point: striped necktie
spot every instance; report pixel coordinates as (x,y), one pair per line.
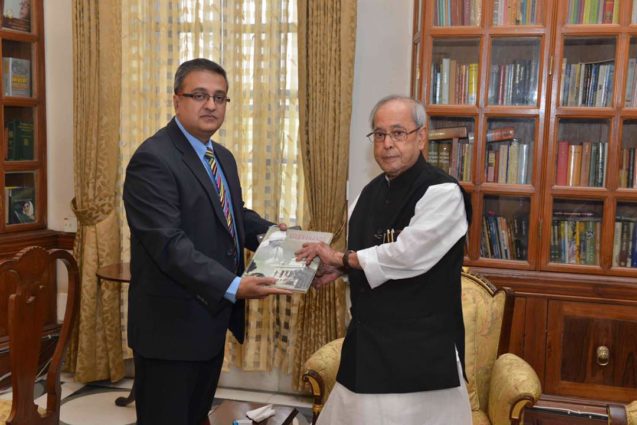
(221,190)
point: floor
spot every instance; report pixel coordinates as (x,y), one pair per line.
(93,404)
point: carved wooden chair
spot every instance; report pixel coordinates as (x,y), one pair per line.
(499,387)
(27,275)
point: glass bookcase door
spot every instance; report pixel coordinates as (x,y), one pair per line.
(627,169)
(509,150)
(513,77)
(453,156)
(593,12)
(625,235)
(576,232)
(588,69)
(16,68)
(457,12)
(20,198)
(505,228)
(454,71)
(582,152)
(19,141)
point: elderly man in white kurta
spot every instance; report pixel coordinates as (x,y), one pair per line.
(403,356)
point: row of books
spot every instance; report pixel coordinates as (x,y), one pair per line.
(514,83)
(504,238)
(18,140)
(457,164)
(587,84)
(627,169)
(581,164)
(16,77)
(507,162)
(453,82)
(593,12)
(19,206)
(457,12)
(516,12)
(575,237)
(625,242)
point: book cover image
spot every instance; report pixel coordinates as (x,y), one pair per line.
(275,258)
(20,203)
(16,15)
(16,77)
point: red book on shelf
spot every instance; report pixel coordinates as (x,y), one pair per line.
(562,163)
(500,134)
(609,7)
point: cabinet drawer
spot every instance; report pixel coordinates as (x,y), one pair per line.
(592,350)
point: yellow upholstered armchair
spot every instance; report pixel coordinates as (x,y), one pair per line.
(499,387)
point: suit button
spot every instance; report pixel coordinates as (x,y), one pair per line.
(230,252)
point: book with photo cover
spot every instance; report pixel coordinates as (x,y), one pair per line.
(19,204)
(16,15)
(275,258)
(16,77)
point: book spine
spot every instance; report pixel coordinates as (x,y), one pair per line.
(585,163)
(562,163)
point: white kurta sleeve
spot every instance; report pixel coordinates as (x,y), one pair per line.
(439,221)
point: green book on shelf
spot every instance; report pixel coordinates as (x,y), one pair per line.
(19,140)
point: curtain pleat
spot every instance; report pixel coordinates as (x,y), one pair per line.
(326,65)
(95,352)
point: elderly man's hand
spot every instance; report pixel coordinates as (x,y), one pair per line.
(323,251)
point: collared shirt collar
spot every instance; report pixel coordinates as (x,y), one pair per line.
(196,144)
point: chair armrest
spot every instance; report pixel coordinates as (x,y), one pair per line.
(631,413)
(514,385)
(320,373)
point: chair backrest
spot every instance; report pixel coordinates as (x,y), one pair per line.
(487,312)
(29,272)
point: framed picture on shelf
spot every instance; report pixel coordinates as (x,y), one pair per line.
(16,14)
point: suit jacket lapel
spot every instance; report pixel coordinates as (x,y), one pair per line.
(194,163)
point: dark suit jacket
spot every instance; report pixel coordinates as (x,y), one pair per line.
(182,253)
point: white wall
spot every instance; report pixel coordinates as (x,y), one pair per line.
(59,112)
(383,66)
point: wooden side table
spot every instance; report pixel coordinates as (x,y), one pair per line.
(119,273)
(557,410)
(229,410)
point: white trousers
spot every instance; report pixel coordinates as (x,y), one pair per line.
(441,407)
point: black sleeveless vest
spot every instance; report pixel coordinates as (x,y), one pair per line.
(403,333)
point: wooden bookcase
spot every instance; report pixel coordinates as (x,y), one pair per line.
(547,91)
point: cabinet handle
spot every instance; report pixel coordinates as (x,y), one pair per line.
(603,355)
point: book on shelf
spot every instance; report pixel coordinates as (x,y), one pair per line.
(16,15)
(504,237)
(275,258)
(515,12)
(625,242)
(16,77)
(19,204)
(575,237)
(507,162)
(514,83)
(581,164)
(593,12)
(628,168)
(19,140)
(587,83)
(453,82)
(457,12)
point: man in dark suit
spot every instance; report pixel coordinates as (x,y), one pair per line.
(188,229)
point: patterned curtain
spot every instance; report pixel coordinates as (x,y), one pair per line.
(256,42)
(327,32)
(95,351)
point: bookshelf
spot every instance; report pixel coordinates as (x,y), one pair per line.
(547,93)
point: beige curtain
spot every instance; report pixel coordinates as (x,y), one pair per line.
(96,348)
(327,31)
(255,41)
